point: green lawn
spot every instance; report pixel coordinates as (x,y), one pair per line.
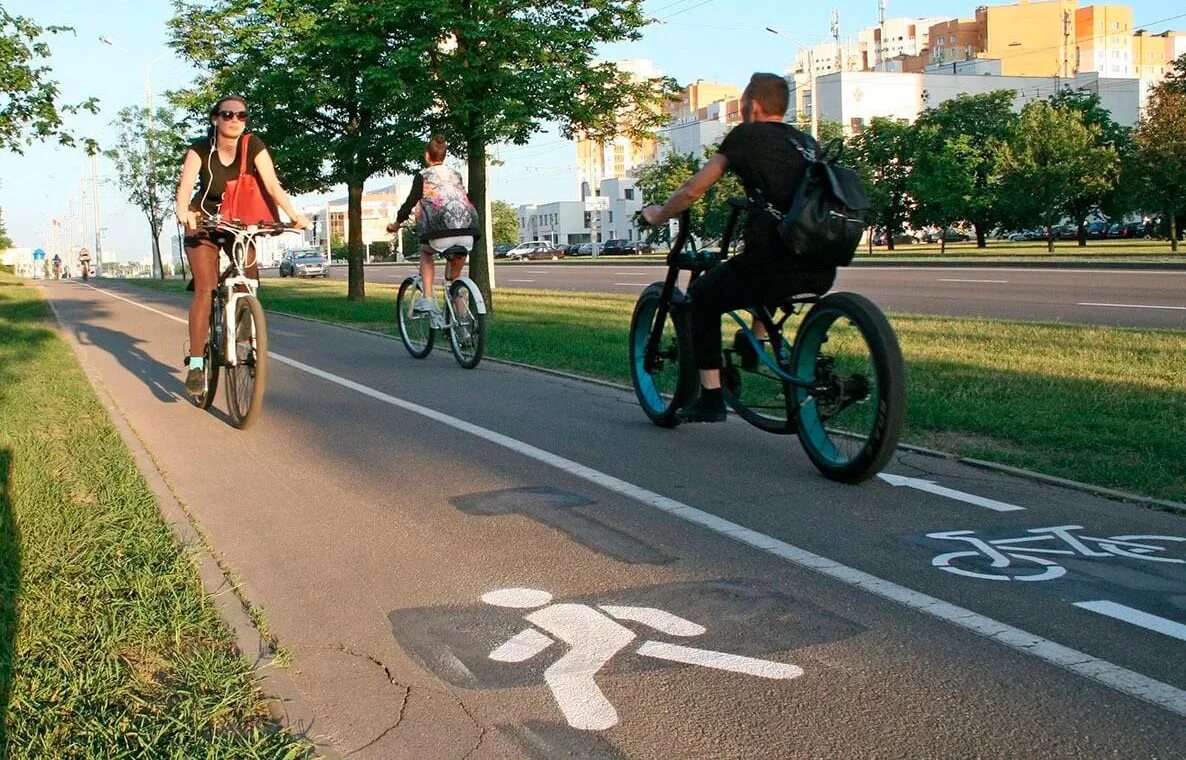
(1102,405)
(108,645)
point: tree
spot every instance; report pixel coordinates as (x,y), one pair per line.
(29,107)
(147,157)
(1051,162)
(1158,162)
(5,240)
(883,153)
(942,181)
(337,90)
(500,69)
(505,223)
(1175,78)
(1108,199)
(709,215)
(987,120)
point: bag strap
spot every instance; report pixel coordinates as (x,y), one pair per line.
(246,138)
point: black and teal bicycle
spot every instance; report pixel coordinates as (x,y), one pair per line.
(828,368)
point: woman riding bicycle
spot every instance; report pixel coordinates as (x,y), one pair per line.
(210,163)
(445,218)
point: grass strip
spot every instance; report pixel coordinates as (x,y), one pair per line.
(1101,405)
(108,645)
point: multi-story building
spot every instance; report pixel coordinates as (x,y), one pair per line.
(955,40)
(617,157)
(608,215)
(1104,38)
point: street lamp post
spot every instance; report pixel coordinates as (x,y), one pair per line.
(156,264)
(810,73)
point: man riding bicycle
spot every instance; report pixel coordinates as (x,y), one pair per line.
(762,155)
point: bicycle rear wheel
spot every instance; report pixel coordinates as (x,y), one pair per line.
(246,380)
(670,379)
(415,328)
(467,332)
(849,422)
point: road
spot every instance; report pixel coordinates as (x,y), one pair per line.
(1147,299)
(503,563)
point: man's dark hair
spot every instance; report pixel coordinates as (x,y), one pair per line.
(225,99)
(769,90)
(436,149)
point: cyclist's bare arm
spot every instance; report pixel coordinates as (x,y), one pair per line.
(267,174)
(692,191)
(185,189)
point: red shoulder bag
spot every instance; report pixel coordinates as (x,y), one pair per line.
(244,200)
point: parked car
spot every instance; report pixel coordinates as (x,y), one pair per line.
(502,249)
(304,263)
(639,247)
(1130,230)
(535,249)
(1097,231)
(615,247)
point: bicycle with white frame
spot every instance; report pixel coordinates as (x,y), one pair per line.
(1027,558)
(463,317)
(237,340)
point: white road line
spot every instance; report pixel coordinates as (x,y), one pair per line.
(1109,674)
(952,279)
(1133,306)
(520,280)
(1136,617)
(632,284)
(636,273)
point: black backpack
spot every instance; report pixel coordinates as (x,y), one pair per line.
(826,219)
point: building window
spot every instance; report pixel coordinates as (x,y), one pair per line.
(630,193)
(611,217)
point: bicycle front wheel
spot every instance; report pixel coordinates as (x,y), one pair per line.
(666,380)
(246,379)
(467,332)
(415,328)
(850,419)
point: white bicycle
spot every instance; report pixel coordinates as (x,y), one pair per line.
(463,317)
(1021,559)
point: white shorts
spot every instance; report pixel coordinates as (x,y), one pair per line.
(441,245)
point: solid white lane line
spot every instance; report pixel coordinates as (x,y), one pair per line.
(952,279)
(929,486)
(520,280)
(1136,617)
(1109,674)
(632,284)
(1133,306)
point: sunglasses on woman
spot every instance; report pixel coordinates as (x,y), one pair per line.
(228,115)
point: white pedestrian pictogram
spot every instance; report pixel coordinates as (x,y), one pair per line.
(594,637)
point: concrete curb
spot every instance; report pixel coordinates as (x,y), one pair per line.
(1164,505)
(285,702)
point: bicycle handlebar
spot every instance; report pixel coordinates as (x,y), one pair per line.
(233,225)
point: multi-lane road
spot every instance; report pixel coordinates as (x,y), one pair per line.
(1118,297)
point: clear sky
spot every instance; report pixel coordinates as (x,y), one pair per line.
(717,40)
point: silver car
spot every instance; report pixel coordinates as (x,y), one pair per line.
(305,263)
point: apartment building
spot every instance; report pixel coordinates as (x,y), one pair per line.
(600,160)
(607,215)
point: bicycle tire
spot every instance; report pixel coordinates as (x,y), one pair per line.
(467,350)
(415,330)
(210,368)
(876,394)
(663,391)
(247,379)
(759,397)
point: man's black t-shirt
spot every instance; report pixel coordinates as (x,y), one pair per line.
(214,174)
(761,155)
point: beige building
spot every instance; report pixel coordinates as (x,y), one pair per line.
(619,157)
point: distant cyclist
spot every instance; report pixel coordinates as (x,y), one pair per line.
(57,267)
(84,263)
(445,218)
(210,163)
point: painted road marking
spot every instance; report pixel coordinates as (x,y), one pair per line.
(952,279)
(1136,617)
(520,280)
(930,486)
(1133,306)
(632,284)
(594,637)
(1109,674)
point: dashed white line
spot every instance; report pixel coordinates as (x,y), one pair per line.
(1101,671)
(520,280)
(1136,617)
(953,279)
(1133,306)
(632,284)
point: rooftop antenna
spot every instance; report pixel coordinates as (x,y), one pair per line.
(836,37)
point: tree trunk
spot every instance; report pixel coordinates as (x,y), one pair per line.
(157,264)
(889,241)
(943,242)
(479,272)
(1049,239)
(356,290)
(1173,233)
(980,236)
(1082,235)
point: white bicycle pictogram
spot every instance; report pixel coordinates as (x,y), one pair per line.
(1004,553)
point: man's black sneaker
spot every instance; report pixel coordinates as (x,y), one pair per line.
(195,382)
(707,407)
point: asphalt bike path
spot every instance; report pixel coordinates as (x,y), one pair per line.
(503,563)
